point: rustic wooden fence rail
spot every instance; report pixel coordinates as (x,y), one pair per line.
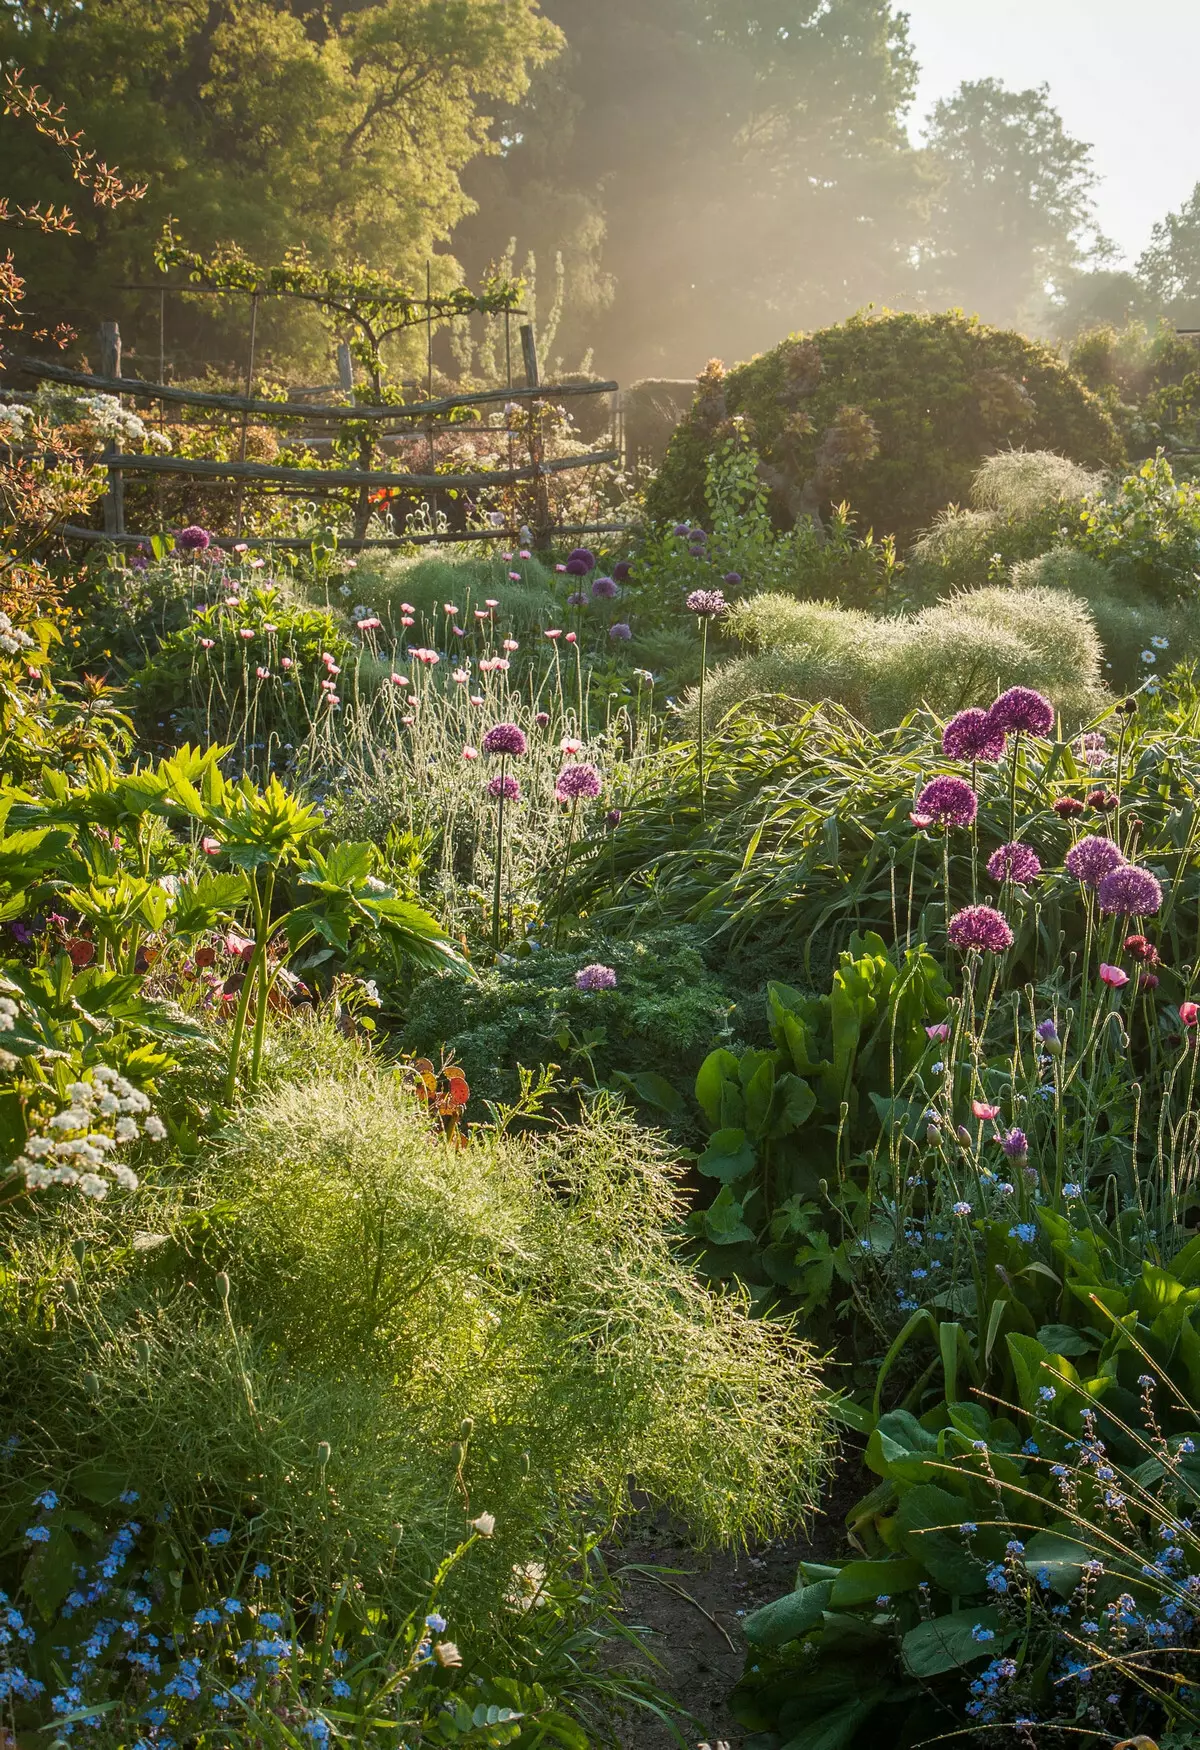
(395,421)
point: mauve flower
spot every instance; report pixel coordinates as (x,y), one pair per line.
(504,788)
(1116,976)
(578,599)
(1129,892)
(193,539)
(595,977)
(939,1030)
(982,1109)
(1090,859)
(505,738)
(708,603)
(1104,800)
(621,630)
(582,556)
(604,589)
(972,736)
(680,529)
(950,800)
(1147,981)
(210,846)
(622,570)
(979,926)
(1046,1030)
(1014,862)
(576,568)
(1021,708)
(1189,1013)
(732,579)
(1015,1144)
(1140,949)
(542,719)
(579,783)
(1067,807)
(470,753)
(613,818)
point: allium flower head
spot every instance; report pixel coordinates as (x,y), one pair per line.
(582,556)
(1015,1145)
(504,788)
(1015,862)
(1090,859)
(193,539)
(613,819)
(981,927)
(576,568)
(578,598)
(578,783)
(1129,892)
(622,570)
(604,589)
(708,603)
(620,631)
(732,579)
(950,800)
(595,977)
(504,738)
(1020,708)
(542,719)
(972,735)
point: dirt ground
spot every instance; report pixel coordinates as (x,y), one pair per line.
(694,1605)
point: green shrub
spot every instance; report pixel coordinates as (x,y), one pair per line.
(383,584)
(385,1286)
(667,1010)
(1147,532)
(892,412)
(1131,629)
(957,653)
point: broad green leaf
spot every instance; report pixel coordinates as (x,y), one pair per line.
(723,1220)
(729,1156)
(946,1643)
(786,1618)
(863,1582)
(718,1069)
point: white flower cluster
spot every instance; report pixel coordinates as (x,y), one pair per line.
(14,421)
(76,1144)
(8,1014)
(12,639)
(103,415)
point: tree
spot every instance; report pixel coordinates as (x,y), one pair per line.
(1170,265)
(343,125)
(1013,215)
(715,171)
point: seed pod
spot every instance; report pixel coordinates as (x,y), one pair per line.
(932,1133)
(71,1292)
(466,1428)
(523,1464)
(91,1384)
(457,1453)
(142,1350)
(79,1247)
(223,1287)
(324,1454)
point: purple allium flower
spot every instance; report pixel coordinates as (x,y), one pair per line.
(582,556)
(680,529)
(193,539)
(506,788)
(542,719)
(578,599)
(604,589)
(980,926)
(504,738)
(697,536)
(1014,862)
(1015,1144)
(579,783)
(595,977)
(708,603)
(950,800)
(622,570)
(613,818)
(576,568)
(972,735)
(139,562)
(1129,892)
(732,579)
(621,630)
(1022,708)
(1090,859)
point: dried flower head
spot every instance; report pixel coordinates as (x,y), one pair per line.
(1067,807)
(1140,949)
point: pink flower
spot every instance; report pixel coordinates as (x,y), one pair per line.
(491,602)
(556,632)
(329,686)
(939,1030)
(268,626)
(510,644)
(470,753)
(481,614)
(460,677)
(524,553)
(285,662)
(369,625)
(514,576)
(327,659)
(477,699)
(569,745)
(407,620)
(506,557)
(246,633)
(571,639)
(407,608)
(206,644)
(210,846)
(1114,976)
(264,674)
(398,680)
(240,547)
(460,632)
(449,608)
(921,820)
(233,601)
(408,722)
(981,1109)
(257,564)
(1189,1013)
(560,568)
(331,698)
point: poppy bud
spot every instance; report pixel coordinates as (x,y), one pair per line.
(466,1428)
(324,1454)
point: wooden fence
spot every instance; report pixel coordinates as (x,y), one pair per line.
(407,421)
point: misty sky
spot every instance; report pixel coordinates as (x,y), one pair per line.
(1123,75)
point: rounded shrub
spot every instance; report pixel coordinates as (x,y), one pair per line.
(891,412)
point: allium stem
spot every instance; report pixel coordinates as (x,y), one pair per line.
(499,862)
(700,729)
(562,885)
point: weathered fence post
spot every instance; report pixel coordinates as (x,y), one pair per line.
(345,369)
(114,498)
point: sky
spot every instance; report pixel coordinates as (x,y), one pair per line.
(1123,76)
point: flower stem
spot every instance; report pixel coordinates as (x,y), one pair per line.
(499,863)
(700,731)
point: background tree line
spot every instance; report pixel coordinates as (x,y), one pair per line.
(692,176)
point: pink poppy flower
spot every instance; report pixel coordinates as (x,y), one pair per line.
(477,699)
(285,662)
(408,620)
(1189,1013)
(491,602)
(981,1109)
(939,1030)
(210,846)
(1114,976)
(921,820)
(264,674)
(470,753)
(246,633)
(206,644)
(510,644)
(407,608)
(555,632)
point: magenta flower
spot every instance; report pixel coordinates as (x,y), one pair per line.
(620,631)
(1091,858)
(595,977)
(1015,1144)
(193,539)
(938,1030)
(1114,976)
(949,800)
(972,735)
(582,556)
(542,719)
(708,603)
(504,788)
(1128,891)
(1014,862)
(1021,708)
(613,818)
(579,783)
(504,738)
(981,927)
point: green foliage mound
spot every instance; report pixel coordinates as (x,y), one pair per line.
(893,412)
(385,1285)
(954,654)
(384,585)
(1131,628)
(665,1012)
